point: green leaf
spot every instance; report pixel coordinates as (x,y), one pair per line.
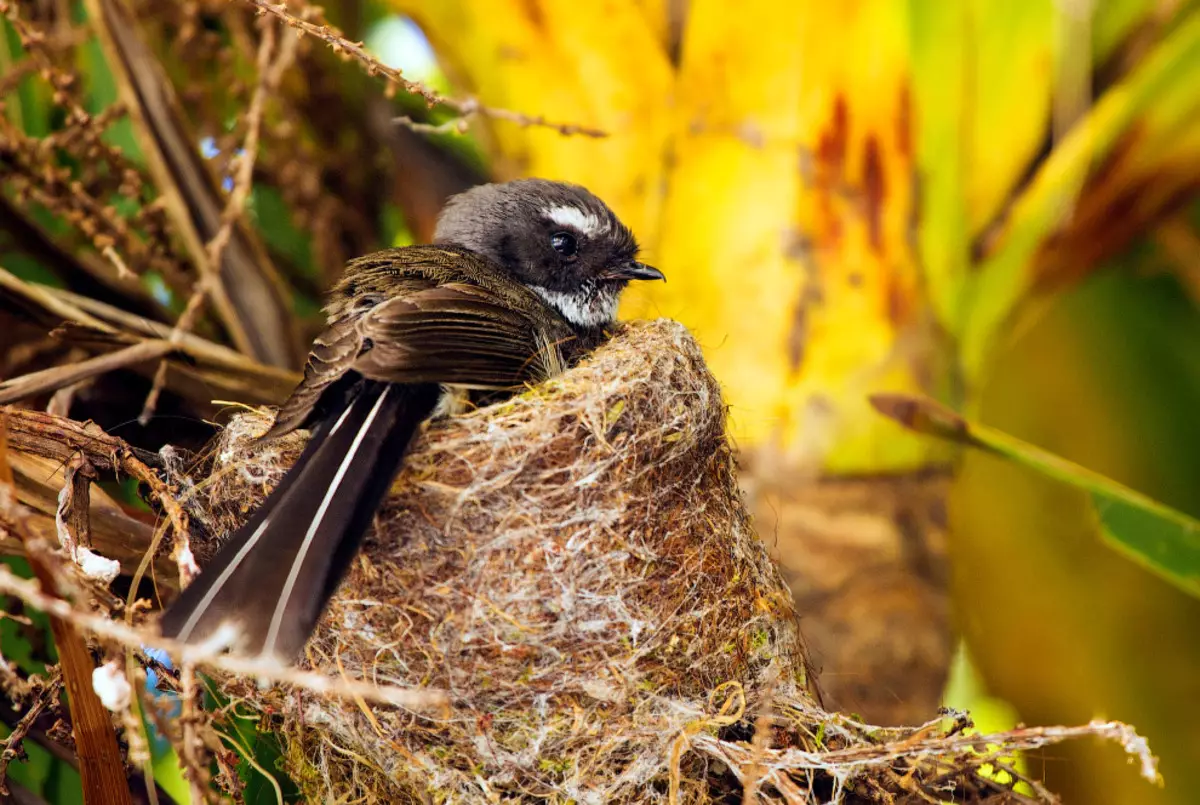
(1163,540)
(940,80)
(63,785)
(36,770)
(274,219)
(15,644)
(260,751)
(101,94)
(29,269)
(168,774)
(1116,22)
(29,108)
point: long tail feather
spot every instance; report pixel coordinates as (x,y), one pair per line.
(266,588)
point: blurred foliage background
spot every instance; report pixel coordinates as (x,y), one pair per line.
(991,203)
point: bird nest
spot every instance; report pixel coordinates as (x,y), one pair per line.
(574,567)
(576,570)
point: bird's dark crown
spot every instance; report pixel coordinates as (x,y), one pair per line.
(559,239)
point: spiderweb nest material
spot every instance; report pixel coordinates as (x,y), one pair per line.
(574,566)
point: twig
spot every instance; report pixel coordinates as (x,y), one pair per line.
(53,437)
(60,401)
(856,759)
(15,73)
(246,291)
(58,377)
(32,40)
(101,768)
(80,194)
(270,72)
(20,795)
(347,689)
(189,747)
(186,321)
(39,736)
(12,744)
(1045,794)
(471,106)
(465,108)
(199,349)
(114,257)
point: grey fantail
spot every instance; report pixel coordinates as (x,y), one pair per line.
(523,277)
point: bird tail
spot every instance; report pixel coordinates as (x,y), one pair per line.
(264,591)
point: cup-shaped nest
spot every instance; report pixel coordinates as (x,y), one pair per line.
(574,567)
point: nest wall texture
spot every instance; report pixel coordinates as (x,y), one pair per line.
(574,566)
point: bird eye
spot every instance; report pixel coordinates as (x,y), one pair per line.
(564,243)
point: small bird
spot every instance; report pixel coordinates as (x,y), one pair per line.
(523,277)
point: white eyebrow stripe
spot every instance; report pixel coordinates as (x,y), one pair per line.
(568,215)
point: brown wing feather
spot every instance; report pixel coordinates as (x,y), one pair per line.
(332,354)
(428,314)
(458,334)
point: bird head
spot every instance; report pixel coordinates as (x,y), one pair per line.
(558,239)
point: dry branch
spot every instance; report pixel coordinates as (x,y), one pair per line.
(79,193)
(101,766)
(248,292)
(465,108)
(45,700)
(271,66)
(210,369)
(57,377)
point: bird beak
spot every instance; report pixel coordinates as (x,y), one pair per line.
(634,271)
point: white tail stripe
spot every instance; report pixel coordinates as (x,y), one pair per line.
(298,560)
(202,607)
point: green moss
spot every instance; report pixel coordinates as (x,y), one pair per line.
(559,766)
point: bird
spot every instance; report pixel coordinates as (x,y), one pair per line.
(522,278)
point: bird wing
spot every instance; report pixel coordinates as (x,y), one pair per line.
(457,333)
(428,323)
(332,355)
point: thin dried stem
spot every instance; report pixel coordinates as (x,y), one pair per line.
(46,699)
(266,671)
(79,193)
(466,107)
(936,746)
(270,73)
(60,377)
(190,746)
